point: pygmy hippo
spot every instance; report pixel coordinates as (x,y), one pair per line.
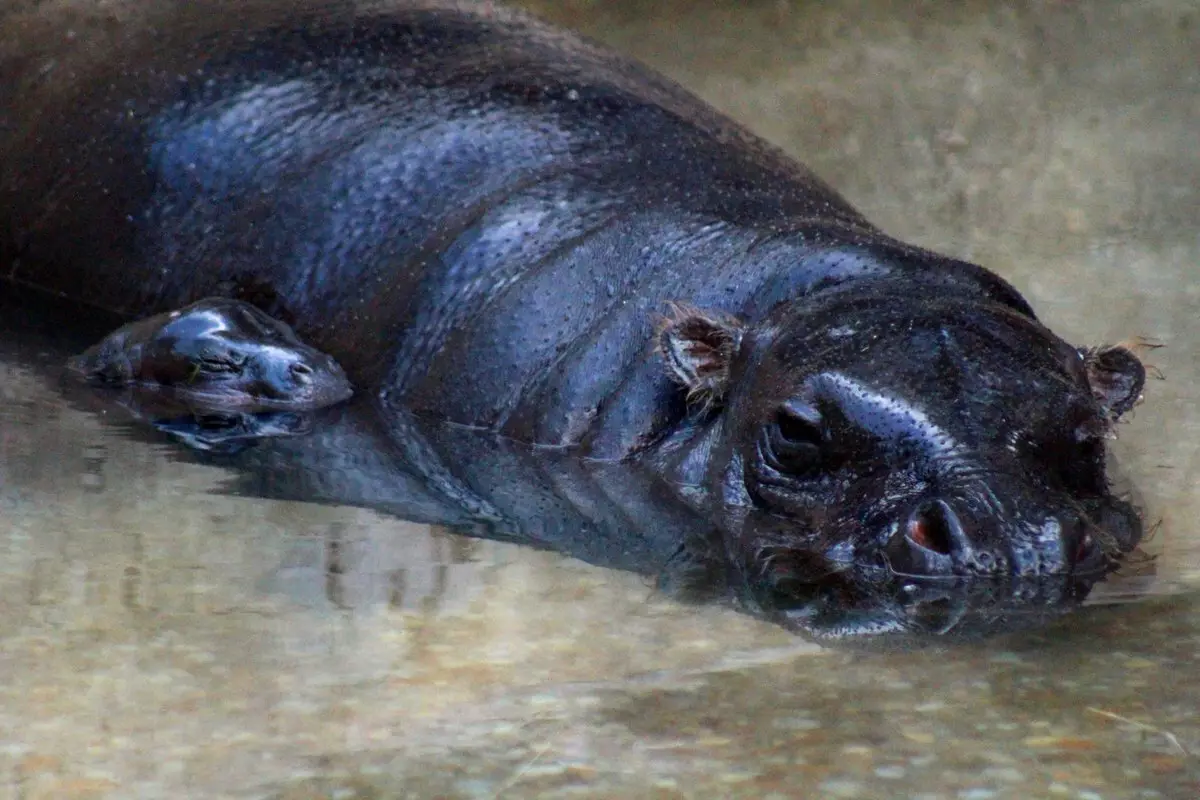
(220,355)
(493,225)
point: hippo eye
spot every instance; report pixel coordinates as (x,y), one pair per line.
(220,362)
(794,440)
(799,425)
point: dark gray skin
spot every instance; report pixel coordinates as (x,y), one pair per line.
(583,311)
(217,355)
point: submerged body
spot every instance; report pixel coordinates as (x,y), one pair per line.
(711,365)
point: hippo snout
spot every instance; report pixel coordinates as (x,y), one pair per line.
(302,377)
(288,380)
(934,540)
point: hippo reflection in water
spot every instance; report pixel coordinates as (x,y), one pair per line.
(580,310)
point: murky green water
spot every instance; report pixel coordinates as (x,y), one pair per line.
(160,639)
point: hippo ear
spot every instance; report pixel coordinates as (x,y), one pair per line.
(1116,377)
(698,347)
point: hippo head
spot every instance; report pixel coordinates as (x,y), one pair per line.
(218,355)
(872,456)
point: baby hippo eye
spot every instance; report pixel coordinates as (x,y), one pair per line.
(799,423)
(795,438)
(216,362)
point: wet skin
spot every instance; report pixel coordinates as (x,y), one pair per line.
(825,439)
(583,311)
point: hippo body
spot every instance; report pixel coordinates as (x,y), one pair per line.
(579,308)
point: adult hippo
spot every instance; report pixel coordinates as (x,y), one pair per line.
(579,308)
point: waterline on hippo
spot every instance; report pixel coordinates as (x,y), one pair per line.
(580,310)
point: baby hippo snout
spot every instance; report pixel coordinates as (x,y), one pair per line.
(299,376)
(220,355)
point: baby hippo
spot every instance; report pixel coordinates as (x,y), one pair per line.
(217,355)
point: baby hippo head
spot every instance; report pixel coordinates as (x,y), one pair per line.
(219,355)
(863,439)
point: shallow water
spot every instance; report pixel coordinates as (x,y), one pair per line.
(161,639)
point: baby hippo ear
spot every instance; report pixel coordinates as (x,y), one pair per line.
(1116,377)
(698,347)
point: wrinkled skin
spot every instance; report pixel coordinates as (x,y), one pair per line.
(217,355)
(583,311)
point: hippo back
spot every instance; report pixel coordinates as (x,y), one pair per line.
(480,213)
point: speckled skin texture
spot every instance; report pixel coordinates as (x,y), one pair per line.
(484,220)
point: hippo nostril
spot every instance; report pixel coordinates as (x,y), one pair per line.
(301,372)
(934,527)
(929,542)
